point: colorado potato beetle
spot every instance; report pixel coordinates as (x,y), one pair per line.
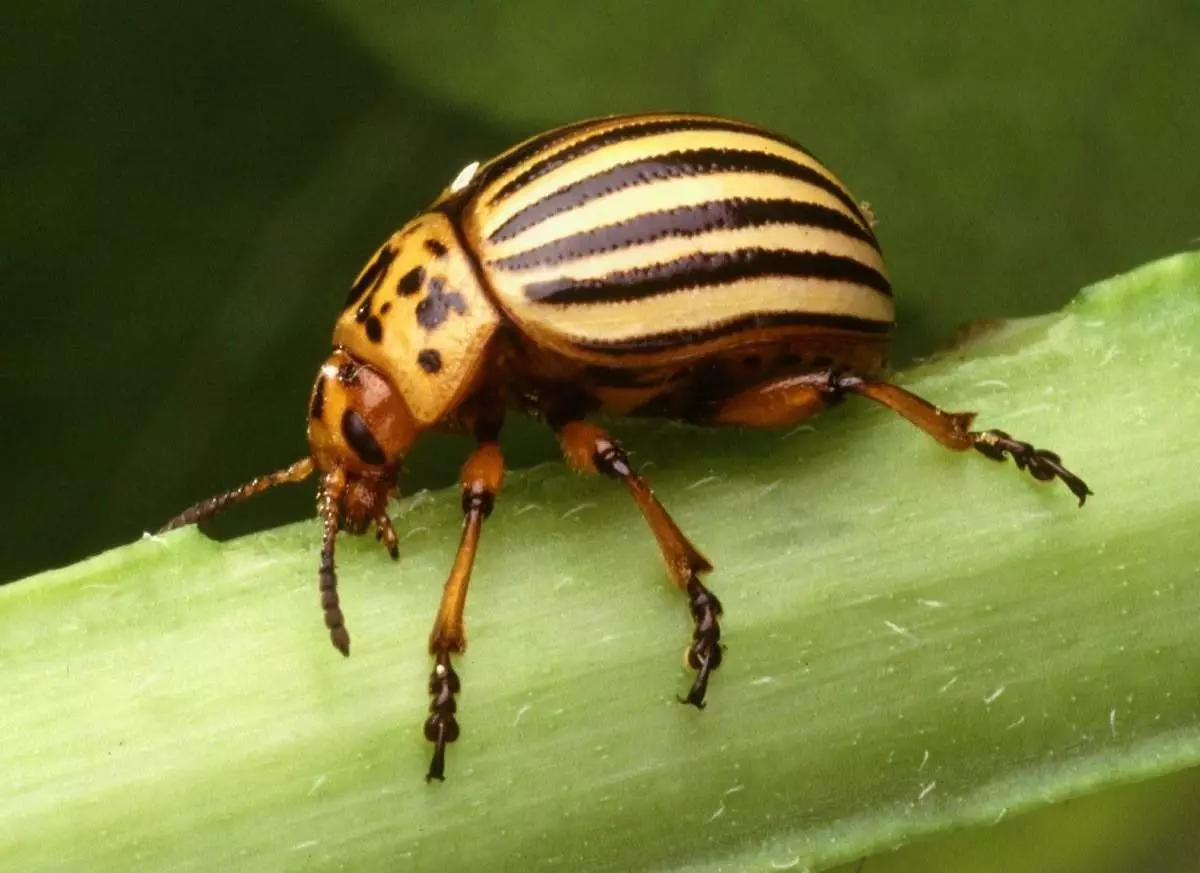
(675,265)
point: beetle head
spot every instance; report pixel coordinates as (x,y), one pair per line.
(359,429)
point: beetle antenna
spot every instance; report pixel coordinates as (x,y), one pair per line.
(297,472)
(333,484)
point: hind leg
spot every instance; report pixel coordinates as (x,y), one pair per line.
(590,449)
(792,399)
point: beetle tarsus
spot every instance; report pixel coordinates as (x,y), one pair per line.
(705,652)
(1042,464)
(441,727)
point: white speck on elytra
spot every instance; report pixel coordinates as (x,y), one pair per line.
(995,695)
(464,177)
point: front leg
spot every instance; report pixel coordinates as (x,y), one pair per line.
(481,478)
(590,449)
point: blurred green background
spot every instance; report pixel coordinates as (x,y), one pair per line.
(188,189)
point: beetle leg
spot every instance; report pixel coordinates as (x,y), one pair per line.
(777,403)
(952,429)
(791,399)
(589,449)
(480,480)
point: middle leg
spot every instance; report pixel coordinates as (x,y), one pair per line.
(589,449)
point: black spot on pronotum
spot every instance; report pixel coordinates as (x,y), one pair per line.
(435,248)
(317,409)
(429,360)
(371,275)
(374,329)
(411,282)
(437,305)
(358,437)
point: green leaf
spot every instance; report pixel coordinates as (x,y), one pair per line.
(917,641)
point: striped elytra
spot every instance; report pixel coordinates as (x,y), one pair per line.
(675,265)
(664,235)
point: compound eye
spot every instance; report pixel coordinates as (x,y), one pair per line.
(359,437)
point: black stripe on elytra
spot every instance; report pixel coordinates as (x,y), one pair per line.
(672,165)
(704,270)
(685,221)
(358,436)
(317,409)
(760,321)
(371,275)
(624,133)
(525,151)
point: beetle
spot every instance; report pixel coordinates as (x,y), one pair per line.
(682,266)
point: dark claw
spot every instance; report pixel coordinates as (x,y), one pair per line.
(435,732)
(1042,464)
(703,665)
(441,727)
(704,654)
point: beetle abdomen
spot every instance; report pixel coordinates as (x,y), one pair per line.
(646,240)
